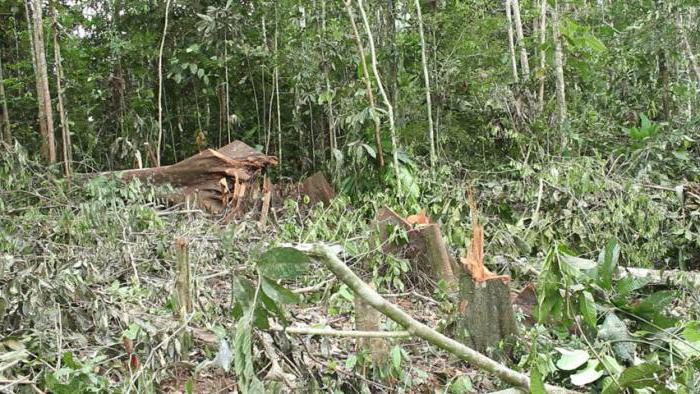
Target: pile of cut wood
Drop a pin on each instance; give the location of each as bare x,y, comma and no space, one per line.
231,181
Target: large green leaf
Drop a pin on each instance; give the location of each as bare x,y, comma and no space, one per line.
639,376
279,293
587,375
587,308
283,262
571,359
607,263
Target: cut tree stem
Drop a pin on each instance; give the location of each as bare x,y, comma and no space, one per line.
325,255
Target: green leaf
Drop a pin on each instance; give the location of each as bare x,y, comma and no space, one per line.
396,357
243,291
283,262
587,308
461,385
351,361
587,375
629,284
536,381
279,293
571,359
639,376
607,263
691,332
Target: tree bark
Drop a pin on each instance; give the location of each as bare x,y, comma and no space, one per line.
65,129
426,77
160,83
5,125
368,85
511,43
48,147
543,53
387,102
558,66
688,49
524,63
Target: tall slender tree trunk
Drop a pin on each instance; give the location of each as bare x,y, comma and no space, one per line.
426,77
160,83
511,42
65,130
368,85
48,147
277,92
5,125
227,92
524,63
387,102
558,66
543,53
688,49
329,103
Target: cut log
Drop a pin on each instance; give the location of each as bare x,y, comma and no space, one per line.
426,249
217,180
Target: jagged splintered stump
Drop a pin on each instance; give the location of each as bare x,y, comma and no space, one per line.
486,322
425,250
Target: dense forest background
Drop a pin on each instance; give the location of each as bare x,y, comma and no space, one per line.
573,124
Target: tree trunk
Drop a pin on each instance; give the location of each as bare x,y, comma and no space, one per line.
524,63
5,126
426,77
543,53
160,83
65,130
387,102
511,44
48,147
558,67
368,85
688,49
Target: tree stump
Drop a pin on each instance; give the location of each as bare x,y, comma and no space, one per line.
426,249
486,320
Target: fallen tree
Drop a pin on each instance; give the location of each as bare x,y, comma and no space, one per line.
328,257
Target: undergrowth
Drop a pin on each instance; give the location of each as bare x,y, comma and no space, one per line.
88,262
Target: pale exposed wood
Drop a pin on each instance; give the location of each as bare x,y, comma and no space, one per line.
200,176
426,249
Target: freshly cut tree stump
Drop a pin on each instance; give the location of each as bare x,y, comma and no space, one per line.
426,249
486,322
